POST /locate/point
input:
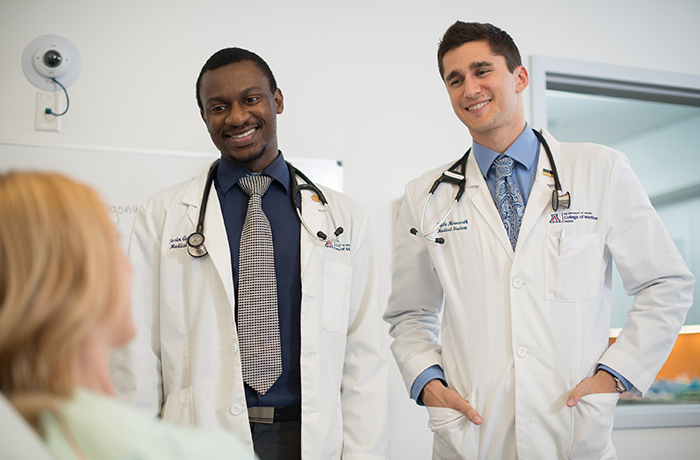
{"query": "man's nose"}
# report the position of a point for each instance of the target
(472, 88)
(238, 115)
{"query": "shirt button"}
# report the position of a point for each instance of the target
(236, 410)
(521, 351)
(517, 283)
(235, 348)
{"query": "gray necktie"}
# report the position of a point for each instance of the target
(258, 321)
(508, 199)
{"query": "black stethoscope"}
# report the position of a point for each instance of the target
(453, 176)
(195, 242)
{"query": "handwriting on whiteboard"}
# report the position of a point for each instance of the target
(116, 212)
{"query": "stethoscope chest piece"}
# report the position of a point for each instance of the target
(195, 245)
(560, 199)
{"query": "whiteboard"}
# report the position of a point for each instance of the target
(127, 178)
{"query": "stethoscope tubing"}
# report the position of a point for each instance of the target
(559, 198)
(195, 242)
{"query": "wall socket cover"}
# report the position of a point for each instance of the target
(42, 120)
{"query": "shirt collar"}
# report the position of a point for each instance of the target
(523, 150)
(229, 172)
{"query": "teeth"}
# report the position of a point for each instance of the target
(477, 106)
(247, 133)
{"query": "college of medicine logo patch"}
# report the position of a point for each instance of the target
(338, 246)
(554, 219)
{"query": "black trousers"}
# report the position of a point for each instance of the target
(277, 441)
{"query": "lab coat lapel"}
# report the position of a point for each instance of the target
(216, 239)
(540, 196)
(478, 192)
(314, 216)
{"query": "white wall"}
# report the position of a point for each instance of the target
(360, 84)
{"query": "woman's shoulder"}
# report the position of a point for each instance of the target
(102, 427)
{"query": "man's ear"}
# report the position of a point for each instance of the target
(279, 101)
(522, 79)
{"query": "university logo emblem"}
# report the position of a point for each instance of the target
(554, 219)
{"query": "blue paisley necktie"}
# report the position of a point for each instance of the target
(508, 199)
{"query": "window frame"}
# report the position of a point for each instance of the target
(633, 83)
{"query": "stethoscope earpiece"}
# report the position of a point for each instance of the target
(318, 197)
(414, 231)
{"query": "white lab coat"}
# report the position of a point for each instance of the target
(520, 329)
(184, 364)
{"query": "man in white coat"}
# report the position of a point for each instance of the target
(519, 367)
(329, 400)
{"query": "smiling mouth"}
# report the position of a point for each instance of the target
(243, 135)
(478, 106)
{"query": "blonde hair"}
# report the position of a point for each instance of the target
(61, 273)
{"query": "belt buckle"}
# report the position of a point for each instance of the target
(257, 414)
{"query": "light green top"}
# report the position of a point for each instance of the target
(103, 428)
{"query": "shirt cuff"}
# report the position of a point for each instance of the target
(431, 373)
(625, 382)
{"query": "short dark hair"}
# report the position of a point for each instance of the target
(228, 56)
(499, 41)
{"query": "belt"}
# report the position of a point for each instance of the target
(269, 415)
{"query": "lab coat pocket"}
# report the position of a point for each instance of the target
(337, 280)
(592, 423)
(572, 268)
(178, 407)
(454, 435)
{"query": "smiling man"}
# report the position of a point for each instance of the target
(501, 313)
(266, 329)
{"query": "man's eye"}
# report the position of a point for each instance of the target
(455, 81)
(252, 99)
(217, 108)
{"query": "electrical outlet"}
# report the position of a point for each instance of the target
(42, 120)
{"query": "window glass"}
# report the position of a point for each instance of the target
(661, 141)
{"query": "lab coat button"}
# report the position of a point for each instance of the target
(517, 283)
(521, 351)
(236, 410)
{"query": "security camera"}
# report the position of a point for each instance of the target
(50, 57)
(51, 61)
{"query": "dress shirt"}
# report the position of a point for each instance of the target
(526, 152)
(285, 225)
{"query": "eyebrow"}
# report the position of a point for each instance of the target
(473, 66)
(453, 74)
(253, 89)
(245, 92)
(480, 64)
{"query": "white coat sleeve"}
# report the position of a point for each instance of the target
(652, 271)
(416, 300)
(136, 367)
(364, 389)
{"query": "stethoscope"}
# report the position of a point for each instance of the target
(195, 242)
(454, 176)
